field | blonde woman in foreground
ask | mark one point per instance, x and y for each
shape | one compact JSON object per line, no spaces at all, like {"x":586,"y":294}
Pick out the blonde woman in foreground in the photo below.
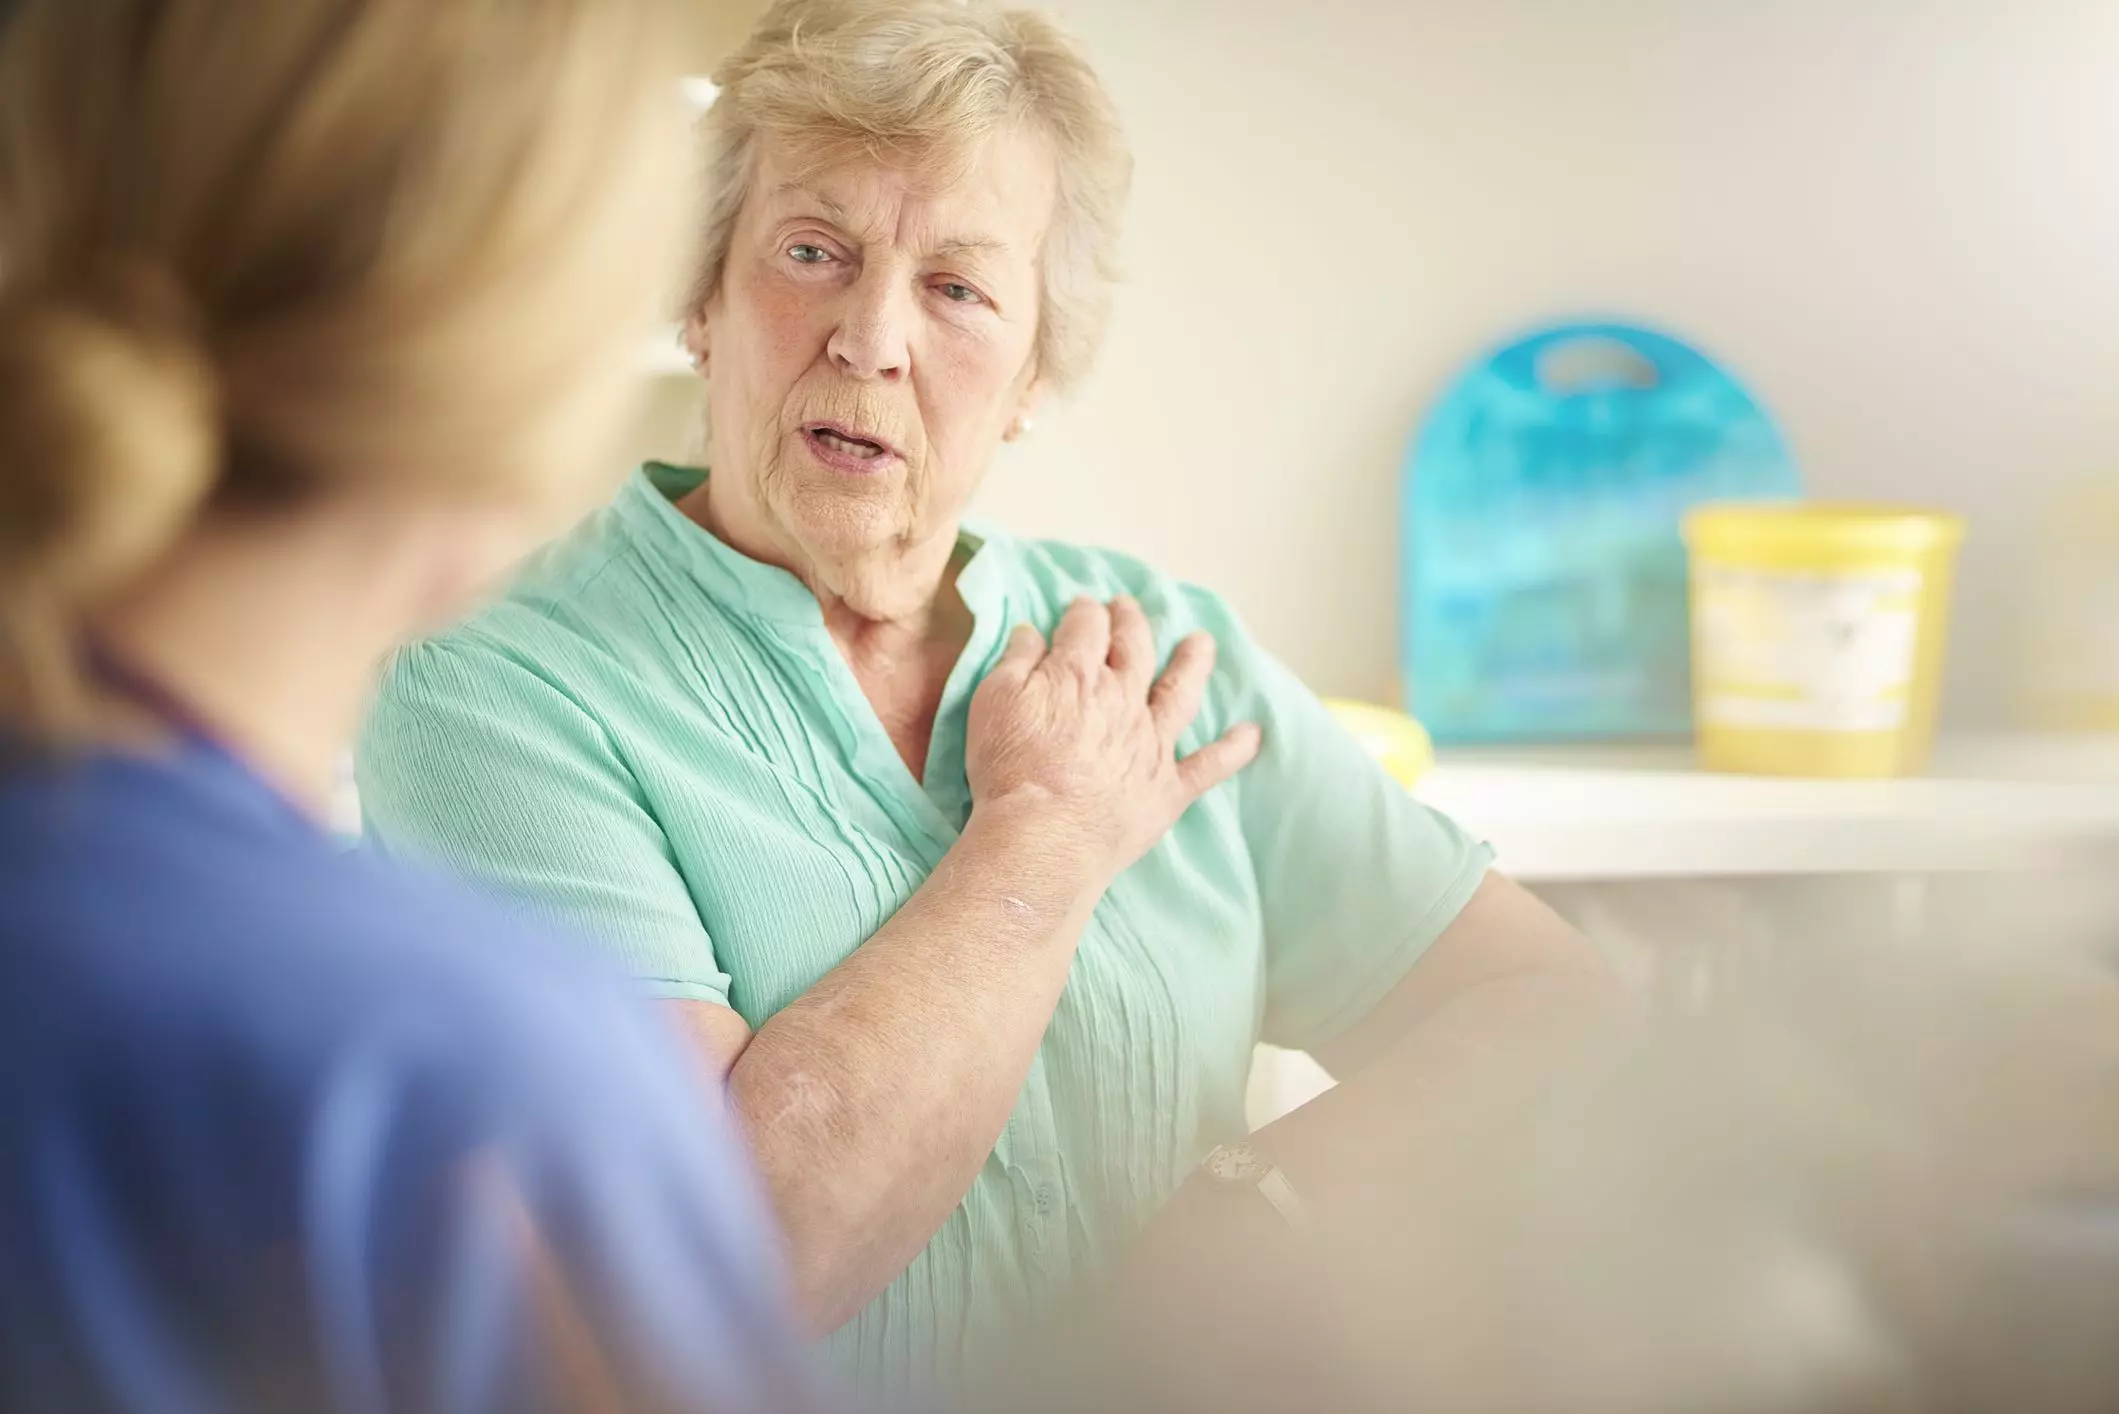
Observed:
{"x":281,"y":1129}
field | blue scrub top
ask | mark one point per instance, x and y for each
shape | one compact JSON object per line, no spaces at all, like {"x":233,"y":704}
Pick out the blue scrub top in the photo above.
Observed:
{"x":283,"y":1127}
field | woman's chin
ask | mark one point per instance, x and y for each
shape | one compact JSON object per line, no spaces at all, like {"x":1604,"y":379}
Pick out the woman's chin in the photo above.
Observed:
{"x":833,"y":526}
{"x":871,"y":551}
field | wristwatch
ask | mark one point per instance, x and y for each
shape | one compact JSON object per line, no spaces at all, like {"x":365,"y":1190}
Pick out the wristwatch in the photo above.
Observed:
{"x":1241,"y":1166}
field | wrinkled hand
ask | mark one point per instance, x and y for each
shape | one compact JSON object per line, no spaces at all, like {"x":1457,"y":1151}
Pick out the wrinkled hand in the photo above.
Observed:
{"x":1085,"y":733}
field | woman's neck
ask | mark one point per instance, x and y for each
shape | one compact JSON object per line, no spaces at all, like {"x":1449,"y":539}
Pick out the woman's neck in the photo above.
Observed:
{"x":943,"y":623}
{"x":900,"y":591}
{"x":268,"y":638}
{"x":903,"y":666}
{"x":896,"y":618}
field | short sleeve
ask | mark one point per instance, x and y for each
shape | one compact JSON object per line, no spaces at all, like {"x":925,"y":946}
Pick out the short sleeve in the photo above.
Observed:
{"x":1356,"y":877}
{"x":474,"y":760}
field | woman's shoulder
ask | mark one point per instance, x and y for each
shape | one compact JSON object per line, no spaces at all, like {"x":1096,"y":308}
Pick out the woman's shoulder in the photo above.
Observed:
{"x":1056,"y":572}
{"x":607,"y":615}
{"x":582,"y":590}
{"x":556,"y":641}
{"x":261,"y":927}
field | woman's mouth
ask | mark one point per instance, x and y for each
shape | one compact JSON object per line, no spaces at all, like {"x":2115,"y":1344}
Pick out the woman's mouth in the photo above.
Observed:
{"x":844,"y":450}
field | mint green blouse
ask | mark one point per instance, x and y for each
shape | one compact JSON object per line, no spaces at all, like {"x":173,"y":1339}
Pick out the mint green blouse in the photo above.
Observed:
{"x":653,"y":739}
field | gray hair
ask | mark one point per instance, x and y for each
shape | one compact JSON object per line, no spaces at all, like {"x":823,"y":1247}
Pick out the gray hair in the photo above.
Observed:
{"x":928,"y":81}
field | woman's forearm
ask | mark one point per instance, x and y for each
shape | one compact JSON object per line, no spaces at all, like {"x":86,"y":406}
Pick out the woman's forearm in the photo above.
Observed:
{"x":873,"y":1098}
{"x":1510,"y":996}
{"x":1475,"y":1060}
{"x":1366,"y":1157}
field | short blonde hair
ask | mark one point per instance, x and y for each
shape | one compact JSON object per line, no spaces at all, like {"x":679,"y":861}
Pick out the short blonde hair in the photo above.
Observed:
{"x":328,"y":243}
{"x":925,"y":83}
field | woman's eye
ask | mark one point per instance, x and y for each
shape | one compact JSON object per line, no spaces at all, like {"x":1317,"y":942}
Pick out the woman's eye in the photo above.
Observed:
{"x":960,"y":294}
{"x":804,"y":254}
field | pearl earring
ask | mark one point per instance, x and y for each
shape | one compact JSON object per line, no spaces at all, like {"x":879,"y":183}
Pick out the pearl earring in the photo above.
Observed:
{"x":1021,"y":428}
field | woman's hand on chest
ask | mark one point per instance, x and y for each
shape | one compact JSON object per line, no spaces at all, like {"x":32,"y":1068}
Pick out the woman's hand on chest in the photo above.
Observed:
{"x":1085,"y":733}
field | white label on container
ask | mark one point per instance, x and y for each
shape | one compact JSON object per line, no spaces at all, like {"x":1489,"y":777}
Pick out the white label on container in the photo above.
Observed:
{"x":1809,"y":651}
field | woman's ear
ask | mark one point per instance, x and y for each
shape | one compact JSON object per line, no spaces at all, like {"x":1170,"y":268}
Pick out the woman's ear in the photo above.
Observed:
{"x":1025,"y":406}
{"x":694,"y":338}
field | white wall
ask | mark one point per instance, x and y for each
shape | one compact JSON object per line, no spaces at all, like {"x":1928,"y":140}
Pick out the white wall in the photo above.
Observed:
{"x":1900,"y":221}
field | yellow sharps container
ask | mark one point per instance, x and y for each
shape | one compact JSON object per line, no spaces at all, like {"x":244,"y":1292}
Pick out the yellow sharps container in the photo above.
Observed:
{"x":1817,"y":636}
{"x":1399,"y":744}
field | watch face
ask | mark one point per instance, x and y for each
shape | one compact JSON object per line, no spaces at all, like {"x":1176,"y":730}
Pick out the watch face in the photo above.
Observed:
{"x":1234,"y":1163}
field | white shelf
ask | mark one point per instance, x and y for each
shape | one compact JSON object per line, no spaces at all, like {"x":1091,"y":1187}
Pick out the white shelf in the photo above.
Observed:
{"x":1604,"y":813}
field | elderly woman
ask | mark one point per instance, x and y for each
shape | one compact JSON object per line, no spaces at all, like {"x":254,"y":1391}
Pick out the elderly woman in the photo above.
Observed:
{"x":980,"y":930}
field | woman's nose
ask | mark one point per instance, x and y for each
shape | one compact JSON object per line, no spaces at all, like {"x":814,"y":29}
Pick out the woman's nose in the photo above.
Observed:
{"x":873,"y":337}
